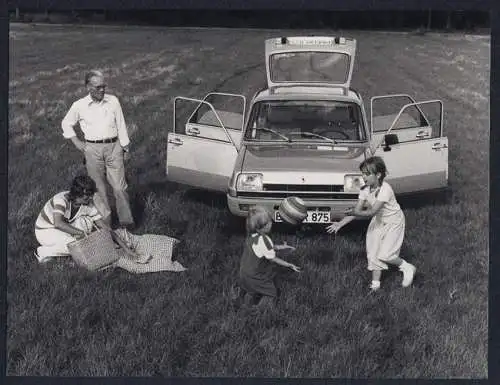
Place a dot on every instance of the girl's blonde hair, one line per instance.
(258, 217)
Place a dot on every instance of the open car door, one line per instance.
(414, 164)
(230, 109)
(412, 123)
(310, 60)
(204, 159)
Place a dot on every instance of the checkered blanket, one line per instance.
(155, 253)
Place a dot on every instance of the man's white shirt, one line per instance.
(98, 120)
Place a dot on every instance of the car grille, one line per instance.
(303, 195)
(316, 191)
(303, 187)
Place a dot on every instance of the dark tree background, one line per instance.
(470, 15)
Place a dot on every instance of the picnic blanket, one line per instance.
(155, 253)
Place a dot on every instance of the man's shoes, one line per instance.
(128, 226)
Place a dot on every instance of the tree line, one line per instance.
(426, 20)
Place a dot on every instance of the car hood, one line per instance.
(302, 158)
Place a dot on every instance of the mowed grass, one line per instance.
(63, 321)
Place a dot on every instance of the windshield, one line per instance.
(294, 121)
(309, 67)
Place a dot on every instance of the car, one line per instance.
(305, 135)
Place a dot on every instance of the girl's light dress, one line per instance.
(386, 230)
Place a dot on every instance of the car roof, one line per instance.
(308, 92)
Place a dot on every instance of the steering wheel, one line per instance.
(323, 131)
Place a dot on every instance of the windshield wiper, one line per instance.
(315, 135)
(274, 132)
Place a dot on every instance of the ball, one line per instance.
(293, 210)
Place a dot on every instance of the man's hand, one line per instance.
(126, 153)
(81, 145)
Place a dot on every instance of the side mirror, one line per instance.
(390, 140)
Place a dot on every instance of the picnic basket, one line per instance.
(95, 251)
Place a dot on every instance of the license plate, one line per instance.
(313, 216)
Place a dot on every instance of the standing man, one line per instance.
(105, 144)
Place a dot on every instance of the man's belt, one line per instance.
(108, 140)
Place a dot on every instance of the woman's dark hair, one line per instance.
(82, 185)
(374, 165)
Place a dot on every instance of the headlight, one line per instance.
(353, 183)
(249, 182)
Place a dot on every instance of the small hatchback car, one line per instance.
(305, 135)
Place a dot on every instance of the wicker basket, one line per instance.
(95, 251)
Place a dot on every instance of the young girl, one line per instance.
(387, 227)
(256, 276)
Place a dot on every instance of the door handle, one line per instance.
(438, 146)
(422, 134)
(193, 131)
(176, 141)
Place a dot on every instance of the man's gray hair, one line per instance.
(92, 73)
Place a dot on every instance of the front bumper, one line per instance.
(239, 205)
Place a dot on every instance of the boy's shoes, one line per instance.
(408, 273)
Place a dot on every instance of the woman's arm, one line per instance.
(62, 224)
(101, 224)
(122, 244)
(138, 258)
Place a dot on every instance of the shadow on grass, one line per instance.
(306, 230)
(426, 198)
(321, 257)
(140, 195)
(208, 198)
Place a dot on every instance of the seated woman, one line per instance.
(68, 216)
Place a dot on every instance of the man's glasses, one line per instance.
(103, 87)
(88, 193)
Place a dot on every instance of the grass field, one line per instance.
(63, 321)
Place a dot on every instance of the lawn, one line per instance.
(63, 321)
